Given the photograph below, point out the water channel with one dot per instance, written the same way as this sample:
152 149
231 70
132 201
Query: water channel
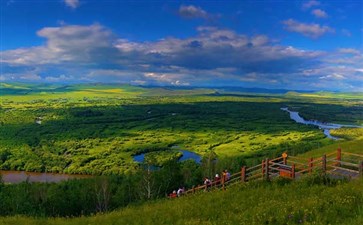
21 176
324 126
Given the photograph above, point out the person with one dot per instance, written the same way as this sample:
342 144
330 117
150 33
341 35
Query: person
228 175
173 195
180 191
224 175
217 179
207 183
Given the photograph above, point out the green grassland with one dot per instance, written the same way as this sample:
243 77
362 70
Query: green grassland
313 200
348 133
96 129
354 146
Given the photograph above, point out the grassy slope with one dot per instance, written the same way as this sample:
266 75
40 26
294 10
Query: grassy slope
355 146
275 203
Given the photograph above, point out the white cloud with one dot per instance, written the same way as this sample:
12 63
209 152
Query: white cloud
311 30
310 4
334 76
30 77
60 78
68 43
180 83
80 49
349 51
191 11
259 40
319 13
212 56
167 78
72 3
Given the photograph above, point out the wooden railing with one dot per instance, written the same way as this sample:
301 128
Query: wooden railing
338 164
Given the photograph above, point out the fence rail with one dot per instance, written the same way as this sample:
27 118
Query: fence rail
291 167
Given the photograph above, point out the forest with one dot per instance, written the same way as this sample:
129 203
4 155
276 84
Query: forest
97 129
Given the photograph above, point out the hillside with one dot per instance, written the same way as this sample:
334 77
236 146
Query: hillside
313 199
307 201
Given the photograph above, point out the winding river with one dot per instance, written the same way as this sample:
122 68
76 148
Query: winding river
21 176
324 126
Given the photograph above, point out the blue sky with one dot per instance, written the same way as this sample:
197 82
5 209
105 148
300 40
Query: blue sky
303 45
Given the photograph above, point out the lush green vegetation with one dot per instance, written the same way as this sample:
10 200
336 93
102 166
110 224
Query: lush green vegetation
99 194
348 133
92 195
162 157
344 108
313 200
96 129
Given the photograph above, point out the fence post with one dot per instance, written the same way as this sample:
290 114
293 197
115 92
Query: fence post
293 171
193 189
339 156
263 168
243 174
284 157
311 165
361 168
323 160
223 180
267 168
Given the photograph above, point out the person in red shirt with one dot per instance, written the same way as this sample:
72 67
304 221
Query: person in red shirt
217 179
173 194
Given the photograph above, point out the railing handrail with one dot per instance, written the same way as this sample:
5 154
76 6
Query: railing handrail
345 163
330 154
264 169
353 154
254 167
278 164
278 158
316 160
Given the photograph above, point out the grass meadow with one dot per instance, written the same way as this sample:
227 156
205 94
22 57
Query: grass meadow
307 201
97 129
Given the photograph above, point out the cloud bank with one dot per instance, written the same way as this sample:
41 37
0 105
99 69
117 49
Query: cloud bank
192 11
311 30
310 4
318 13
214 56
72 3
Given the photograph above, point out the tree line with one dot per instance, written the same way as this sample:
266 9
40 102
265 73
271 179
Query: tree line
104 193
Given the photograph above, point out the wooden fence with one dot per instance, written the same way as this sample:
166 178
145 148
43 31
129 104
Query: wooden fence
338 164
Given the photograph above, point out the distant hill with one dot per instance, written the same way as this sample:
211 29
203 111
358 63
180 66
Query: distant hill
260 90
16 88
229 89
28 88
